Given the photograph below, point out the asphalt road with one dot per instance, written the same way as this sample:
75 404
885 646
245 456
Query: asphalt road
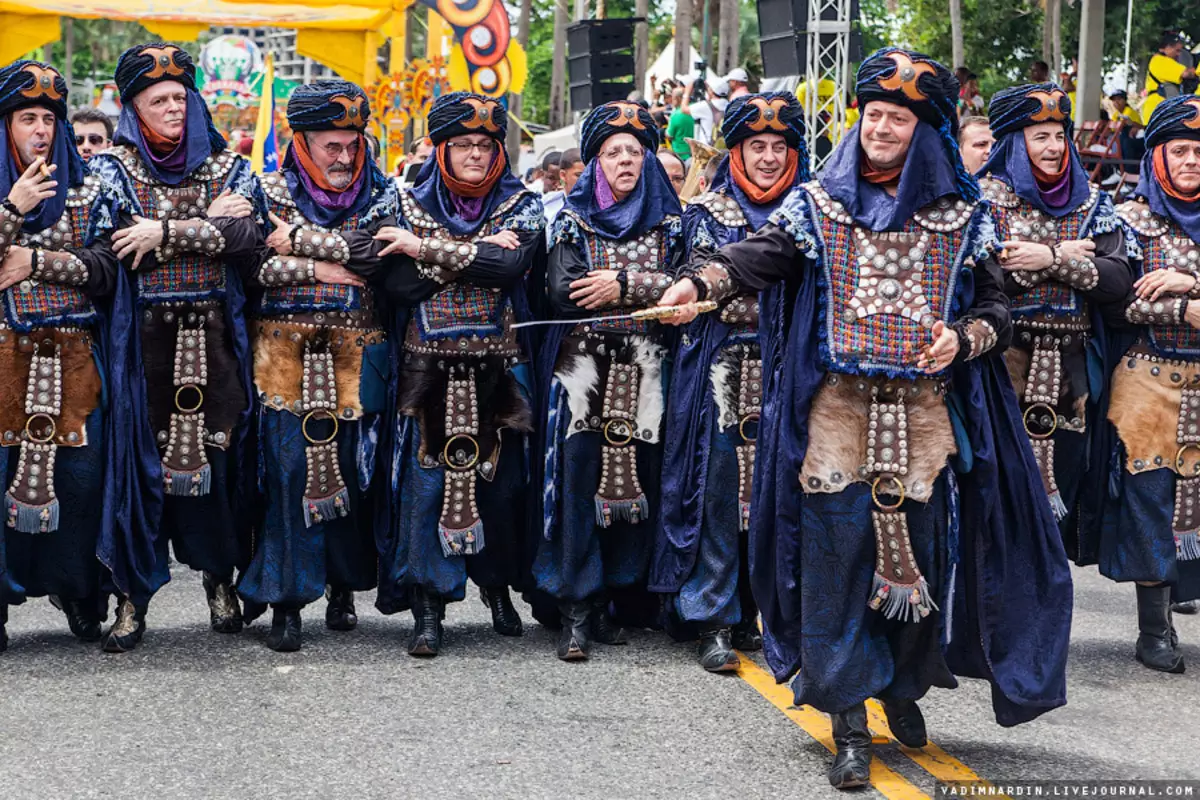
193 714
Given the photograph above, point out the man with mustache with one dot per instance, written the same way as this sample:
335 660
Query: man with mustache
66 312
188 238
887 405
1067 273
716 393
617 246
1151 531
320 354
468 233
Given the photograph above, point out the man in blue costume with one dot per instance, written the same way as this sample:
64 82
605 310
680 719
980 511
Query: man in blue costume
58 277
318 343
469 232
1066 270
617 247
900 532
190 240
716 393
1151 531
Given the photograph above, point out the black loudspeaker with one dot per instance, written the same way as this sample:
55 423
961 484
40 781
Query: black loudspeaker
600 61
783 37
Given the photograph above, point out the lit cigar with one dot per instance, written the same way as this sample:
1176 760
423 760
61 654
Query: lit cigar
45 171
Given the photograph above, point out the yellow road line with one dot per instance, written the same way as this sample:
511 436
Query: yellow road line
931 758
886 780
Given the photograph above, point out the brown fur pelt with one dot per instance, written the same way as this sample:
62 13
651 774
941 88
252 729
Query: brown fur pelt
502 405
1145 409
80 383
279 364
837 435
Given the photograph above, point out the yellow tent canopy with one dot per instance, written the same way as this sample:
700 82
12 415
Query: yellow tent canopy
344 37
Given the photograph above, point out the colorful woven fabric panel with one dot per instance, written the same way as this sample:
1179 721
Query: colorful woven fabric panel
880 341
53 303
1170 340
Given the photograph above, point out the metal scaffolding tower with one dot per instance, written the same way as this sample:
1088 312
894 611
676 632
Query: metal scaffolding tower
827 58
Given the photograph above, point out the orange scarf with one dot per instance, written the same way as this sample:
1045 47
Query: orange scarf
1163 176
300 148
737 168
161 145
12 148
1050 178
873 174
463 188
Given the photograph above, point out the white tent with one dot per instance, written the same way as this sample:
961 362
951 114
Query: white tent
663 67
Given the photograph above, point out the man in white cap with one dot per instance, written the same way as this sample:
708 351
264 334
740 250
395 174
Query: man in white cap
739 83
707 113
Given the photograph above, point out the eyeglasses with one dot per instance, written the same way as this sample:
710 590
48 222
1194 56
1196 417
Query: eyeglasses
614 153
466 148
334 151
91 138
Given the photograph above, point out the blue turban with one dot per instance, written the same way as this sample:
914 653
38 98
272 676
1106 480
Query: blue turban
328 106
772 112
460 113
613 118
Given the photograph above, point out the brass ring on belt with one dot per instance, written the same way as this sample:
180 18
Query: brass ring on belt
309 417
454 465
1053 421
199 397
742 428
48 437
1179 458
875 493
627 430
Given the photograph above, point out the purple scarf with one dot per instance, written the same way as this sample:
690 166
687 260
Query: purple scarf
174 161
469 208
339 201
1058 193
604 193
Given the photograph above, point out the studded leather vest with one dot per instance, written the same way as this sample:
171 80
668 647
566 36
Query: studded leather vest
722 222
190 275
1165 246
309 297
460 309
1016 219
650 255
884 291
32 303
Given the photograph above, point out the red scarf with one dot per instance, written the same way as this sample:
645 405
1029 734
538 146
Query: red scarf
159 144
1047 180
873 174
737 168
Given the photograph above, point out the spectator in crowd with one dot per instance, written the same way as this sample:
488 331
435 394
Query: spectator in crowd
674 167
570 167
1039 72
1165 73
1123 111
680 127
970 101
975 141
708 112
1132 145
422 149
93 131
551 180
739 83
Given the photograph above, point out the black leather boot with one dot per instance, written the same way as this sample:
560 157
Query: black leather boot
224 611
716 651
1155 648
604 629
505 619
576 635
286 634
427 610
83 618
906 721
127 631
852 762
746 636
339 611
3 625
1186 607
